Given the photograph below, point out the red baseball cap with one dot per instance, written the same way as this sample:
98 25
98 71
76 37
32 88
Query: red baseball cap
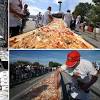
72 58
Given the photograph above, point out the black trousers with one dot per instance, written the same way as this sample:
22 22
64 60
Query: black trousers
23 24
14 31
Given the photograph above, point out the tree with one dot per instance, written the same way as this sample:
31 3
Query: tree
82 9
94 13
54 64
23 62
36 64
96 1
97 10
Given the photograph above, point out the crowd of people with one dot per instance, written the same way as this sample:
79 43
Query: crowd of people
20 73
19 14
70 20
74 22
42 20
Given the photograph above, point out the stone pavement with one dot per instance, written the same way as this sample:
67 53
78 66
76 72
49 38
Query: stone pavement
92 38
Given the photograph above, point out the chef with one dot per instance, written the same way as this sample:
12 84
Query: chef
47 16
67 18
78 21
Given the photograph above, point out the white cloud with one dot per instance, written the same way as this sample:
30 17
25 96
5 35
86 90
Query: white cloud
89 1
35 10
36 1
55 1
28 1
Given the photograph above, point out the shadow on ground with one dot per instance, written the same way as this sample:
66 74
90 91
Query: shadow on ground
33 93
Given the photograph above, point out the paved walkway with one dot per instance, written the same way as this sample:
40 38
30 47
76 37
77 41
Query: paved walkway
30 25
20 90
92 38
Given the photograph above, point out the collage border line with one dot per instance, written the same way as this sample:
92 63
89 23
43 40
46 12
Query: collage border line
24 49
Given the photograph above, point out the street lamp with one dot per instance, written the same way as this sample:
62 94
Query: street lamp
60 2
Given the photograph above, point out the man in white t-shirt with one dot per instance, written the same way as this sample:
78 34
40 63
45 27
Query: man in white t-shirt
16 15
82 73
47 16
67 18
78 22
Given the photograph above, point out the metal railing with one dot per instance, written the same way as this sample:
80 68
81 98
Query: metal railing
67 90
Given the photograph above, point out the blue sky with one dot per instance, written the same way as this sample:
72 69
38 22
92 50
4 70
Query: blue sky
44 56
41 5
